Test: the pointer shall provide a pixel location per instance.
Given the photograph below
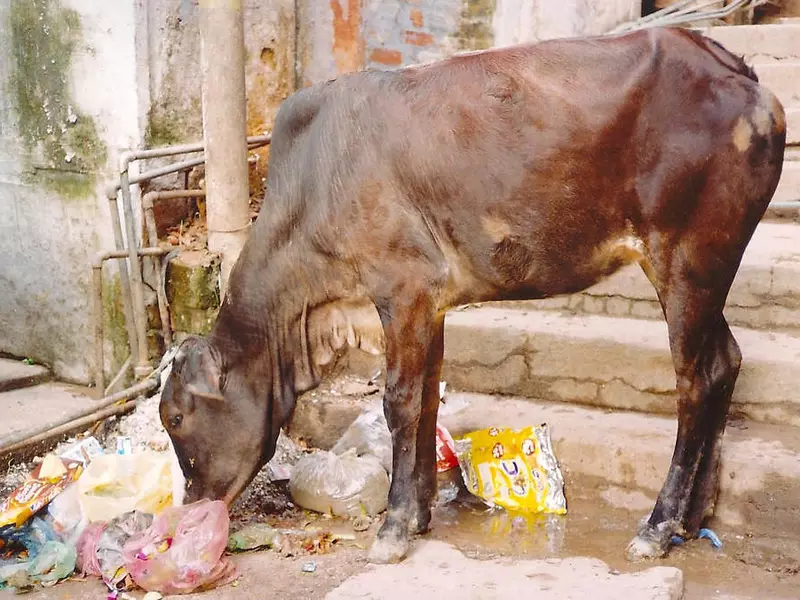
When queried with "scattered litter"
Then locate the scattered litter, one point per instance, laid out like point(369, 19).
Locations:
point(708, 533)
point(256, 535)
point(46, 481)
point(346, 485)
point(124, 445)
point(514, 469)
point(40, 557)
point(448, 475)
point(83, 451)
point(110, 544)
point(114, 484)
point(66, 516)
point(153, 596)
point(309, 567)
point(182, 550)
point(368, 435)
point(361, 523)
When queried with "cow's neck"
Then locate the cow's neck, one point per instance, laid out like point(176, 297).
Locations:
point(275, 314)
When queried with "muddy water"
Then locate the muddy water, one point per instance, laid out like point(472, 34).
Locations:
point(747, 566)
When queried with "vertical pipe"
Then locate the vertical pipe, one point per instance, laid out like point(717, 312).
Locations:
point(125, 282)
point(224, 129)
point(97, 313)
point(142, 363)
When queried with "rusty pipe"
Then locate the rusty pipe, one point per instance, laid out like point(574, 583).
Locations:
point(130, 156)
point(150, 226)
point(97, 284)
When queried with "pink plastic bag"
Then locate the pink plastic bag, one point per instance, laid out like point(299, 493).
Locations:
point(182, 550)
point(87, 561)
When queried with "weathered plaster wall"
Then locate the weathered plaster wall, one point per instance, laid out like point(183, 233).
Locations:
point(337, 36)
point(64, 67)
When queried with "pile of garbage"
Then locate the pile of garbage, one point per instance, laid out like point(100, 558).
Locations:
point(111, 516)
point(513, 469)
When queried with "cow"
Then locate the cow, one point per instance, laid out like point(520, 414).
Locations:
point(522, 172)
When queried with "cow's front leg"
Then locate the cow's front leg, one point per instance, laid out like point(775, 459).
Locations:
point(410, 326)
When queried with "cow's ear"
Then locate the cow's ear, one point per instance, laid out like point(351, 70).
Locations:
point(198, 367)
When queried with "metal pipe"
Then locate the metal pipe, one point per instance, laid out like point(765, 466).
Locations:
point(24, 438)
point(150, 226)
point(131, 155)
point(125, 282)
point(118, 377)
point(224, 129)
point(142, 362)
point(97, 284)
point(252, 143)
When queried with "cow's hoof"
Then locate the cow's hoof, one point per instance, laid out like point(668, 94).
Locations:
point(415, 527)
point(643, 548)
point(386, 550)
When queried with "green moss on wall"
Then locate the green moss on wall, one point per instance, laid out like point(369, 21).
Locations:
point(475, 28)
point(114, 321)
point(63, 148)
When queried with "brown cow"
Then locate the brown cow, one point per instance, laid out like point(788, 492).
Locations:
point(522, 172)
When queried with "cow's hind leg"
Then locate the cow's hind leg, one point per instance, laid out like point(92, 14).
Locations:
point(412, 328)
point(706, 359)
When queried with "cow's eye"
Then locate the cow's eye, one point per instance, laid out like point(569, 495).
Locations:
point(175, 422)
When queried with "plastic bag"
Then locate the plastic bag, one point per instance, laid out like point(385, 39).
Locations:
point(181, 551)
point(110, 543)
point(368, 434)
point(448, 475)
point(86, 548)
point(515, 469)
point(44, 483)
point(346, 485)
point(48, 560)
point(256, 535)
point(66, 516)
point(114, 484)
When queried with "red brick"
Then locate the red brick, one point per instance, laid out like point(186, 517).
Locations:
point(391, 58)
point(419, 38)
point(417, 20)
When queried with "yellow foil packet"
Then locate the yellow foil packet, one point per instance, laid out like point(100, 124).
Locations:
point(513, 468)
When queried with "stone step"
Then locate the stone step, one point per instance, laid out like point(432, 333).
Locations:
point(16, 374)
point(29, 409)
point(792, 125)
point(759, 44)
point(764, 295)
point(789, 185)
point(607, 362)
point(783, 79)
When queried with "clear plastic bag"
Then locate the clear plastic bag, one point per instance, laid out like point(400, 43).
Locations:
point(346, 485)
point(368, 435)
point(48, 561)
point(114, 484)
point(181, 552)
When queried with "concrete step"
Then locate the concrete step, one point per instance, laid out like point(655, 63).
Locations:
point(783, 79)
point(760, 482)
point(32, 408)
point(792, 125)
point(607, 362)
point(16, 374)
point(764, 295)
point(789, 185)
point(759, 44)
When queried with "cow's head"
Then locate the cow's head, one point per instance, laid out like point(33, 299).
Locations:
point(219, 420)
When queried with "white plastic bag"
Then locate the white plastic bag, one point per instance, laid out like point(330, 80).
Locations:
point(368, 435)
point(345, 486)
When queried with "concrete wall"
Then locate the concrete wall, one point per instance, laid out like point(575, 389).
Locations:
point(65, 66)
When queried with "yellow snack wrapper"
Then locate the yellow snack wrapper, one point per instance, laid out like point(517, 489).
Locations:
point(514, 469)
